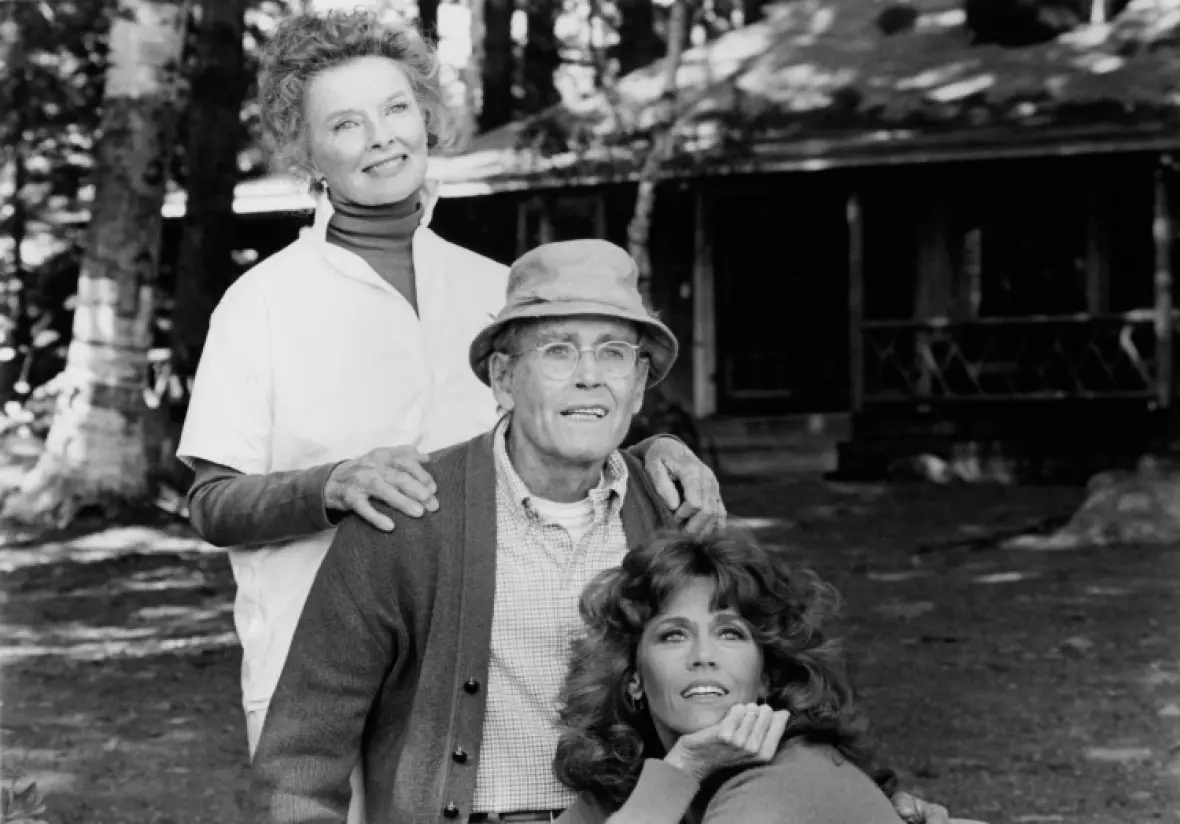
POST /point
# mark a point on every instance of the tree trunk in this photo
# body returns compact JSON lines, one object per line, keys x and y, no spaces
{"x":204,"y":265}
{"x":95,"y":455}
{"x":663,"y":140}
{"x":639,"y":43}
{"x":428,"y":18}
{"x":15,"y":99}
{"x":542,"y":57}
{"x":496,"y":106}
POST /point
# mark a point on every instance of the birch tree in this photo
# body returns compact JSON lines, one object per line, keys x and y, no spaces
{"x":662,"y":144}
{"x":96,"y":454}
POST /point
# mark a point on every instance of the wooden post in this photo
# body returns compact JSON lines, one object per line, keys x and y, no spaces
{"x":704,"y":310}
{"x":544,"y":211}
{"x":856,"y":362}
{"x":1162,"y":232}
{"x":523,"y":208}
{"x":601,"y":226}
{"x":1097,"y":257}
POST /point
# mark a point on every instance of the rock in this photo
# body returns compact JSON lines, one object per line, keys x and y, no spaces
{"x":1121,"y":508}
{"x":1077,"y":646}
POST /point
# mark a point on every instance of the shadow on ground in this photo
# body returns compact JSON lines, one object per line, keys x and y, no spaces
{"x":1013,"y":686}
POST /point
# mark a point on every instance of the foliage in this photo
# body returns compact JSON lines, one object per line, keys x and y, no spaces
{"x":51,"y":101}
{"x":21,"y":805}
{"x":1026,"y":22}
{"x":50,"y":105}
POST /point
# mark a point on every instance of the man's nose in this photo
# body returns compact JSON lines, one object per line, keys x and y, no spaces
{"x":588,"y":373}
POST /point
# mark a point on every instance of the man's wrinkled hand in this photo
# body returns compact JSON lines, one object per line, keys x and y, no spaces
{"x":914,"y":810}
{"x":701,"y":510}
{"x":390,"y":474}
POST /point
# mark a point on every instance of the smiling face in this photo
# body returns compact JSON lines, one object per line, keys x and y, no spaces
{"x":366,"y":133}
{"x":576,"y":422}
{"x":695,"y":662}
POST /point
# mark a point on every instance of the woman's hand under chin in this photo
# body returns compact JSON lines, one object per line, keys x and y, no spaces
{"x":748,"y":734}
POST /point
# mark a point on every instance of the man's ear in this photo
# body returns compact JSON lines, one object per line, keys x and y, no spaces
{"x":500,"y":368}
{"x":640,"y":387}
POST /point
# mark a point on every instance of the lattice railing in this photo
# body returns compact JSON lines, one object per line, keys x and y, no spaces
{"x":1033,"y":358}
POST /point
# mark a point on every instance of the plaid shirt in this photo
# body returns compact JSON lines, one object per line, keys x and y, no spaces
{"x":540,"y":575}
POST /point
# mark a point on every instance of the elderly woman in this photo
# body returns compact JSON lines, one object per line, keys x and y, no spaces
{"x":334,"y":366}
{"x":706,"y":690}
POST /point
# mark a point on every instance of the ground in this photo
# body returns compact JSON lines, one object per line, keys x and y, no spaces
{"x":1011,"y":685}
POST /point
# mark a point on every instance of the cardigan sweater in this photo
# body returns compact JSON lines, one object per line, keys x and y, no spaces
{"x":805,"y":783}
{"x":390,"y":657}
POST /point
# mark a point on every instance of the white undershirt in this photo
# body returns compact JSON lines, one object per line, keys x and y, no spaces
{"x":574,"y":518}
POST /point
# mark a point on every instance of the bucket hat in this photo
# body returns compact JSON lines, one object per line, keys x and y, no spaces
{"x":577,"y":278}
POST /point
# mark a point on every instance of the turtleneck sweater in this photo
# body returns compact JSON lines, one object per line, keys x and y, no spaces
{"x":382,"y":237}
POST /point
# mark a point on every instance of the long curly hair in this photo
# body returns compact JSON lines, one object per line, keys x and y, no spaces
{"x":604,"y":741}
{"x":304,"y":45}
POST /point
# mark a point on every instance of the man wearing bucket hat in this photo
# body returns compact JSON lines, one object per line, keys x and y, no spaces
{"x":434,"y":655}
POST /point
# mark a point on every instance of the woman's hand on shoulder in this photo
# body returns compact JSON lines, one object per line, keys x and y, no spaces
{"x":391,"y":474}
{"x":748,"y":734}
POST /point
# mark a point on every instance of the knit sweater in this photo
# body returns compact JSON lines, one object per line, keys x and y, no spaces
{"x":804,"y":784}
{"x":390,"y":657}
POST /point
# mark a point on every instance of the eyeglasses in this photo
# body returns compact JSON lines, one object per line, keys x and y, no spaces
{"x":615,"y":358}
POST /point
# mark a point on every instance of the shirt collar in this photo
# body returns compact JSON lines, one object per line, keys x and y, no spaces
{"x":349,"y":263}
{"x":607,"y":495}
{"x":323,"y":208}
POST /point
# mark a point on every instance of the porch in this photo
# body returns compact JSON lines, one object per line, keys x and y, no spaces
{"x":1044,"y":354}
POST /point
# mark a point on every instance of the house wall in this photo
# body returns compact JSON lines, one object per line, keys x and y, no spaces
{"x":781,"y":262}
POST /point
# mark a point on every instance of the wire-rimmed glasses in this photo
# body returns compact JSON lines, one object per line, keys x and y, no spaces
{"x":560,"y":359}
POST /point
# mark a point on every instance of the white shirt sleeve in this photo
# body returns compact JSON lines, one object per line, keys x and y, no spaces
{"x":230,"y":415}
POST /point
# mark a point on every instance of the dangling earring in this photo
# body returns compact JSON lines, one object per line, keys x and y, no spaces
{"x":633,"y":696}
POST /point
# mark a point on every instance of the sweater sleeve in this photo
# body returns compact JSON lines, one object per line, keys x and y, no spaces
{"x":758,"y":795}
{"x":230,"y":509}
{"x":661,"y":796}
{"x":346,"y":644}
{"x":800,"y":791}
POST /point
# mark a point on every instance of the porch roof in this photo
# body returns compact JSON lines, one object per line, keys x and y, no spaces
{"x":818,"y":85}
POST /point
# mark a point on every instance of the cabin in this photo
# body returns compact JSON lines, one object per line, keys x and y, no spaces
{"x":964,"y":249}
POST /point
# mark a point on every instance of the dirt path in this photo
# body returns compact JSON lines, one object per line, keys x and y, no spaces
{"x":1013,"y":686}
